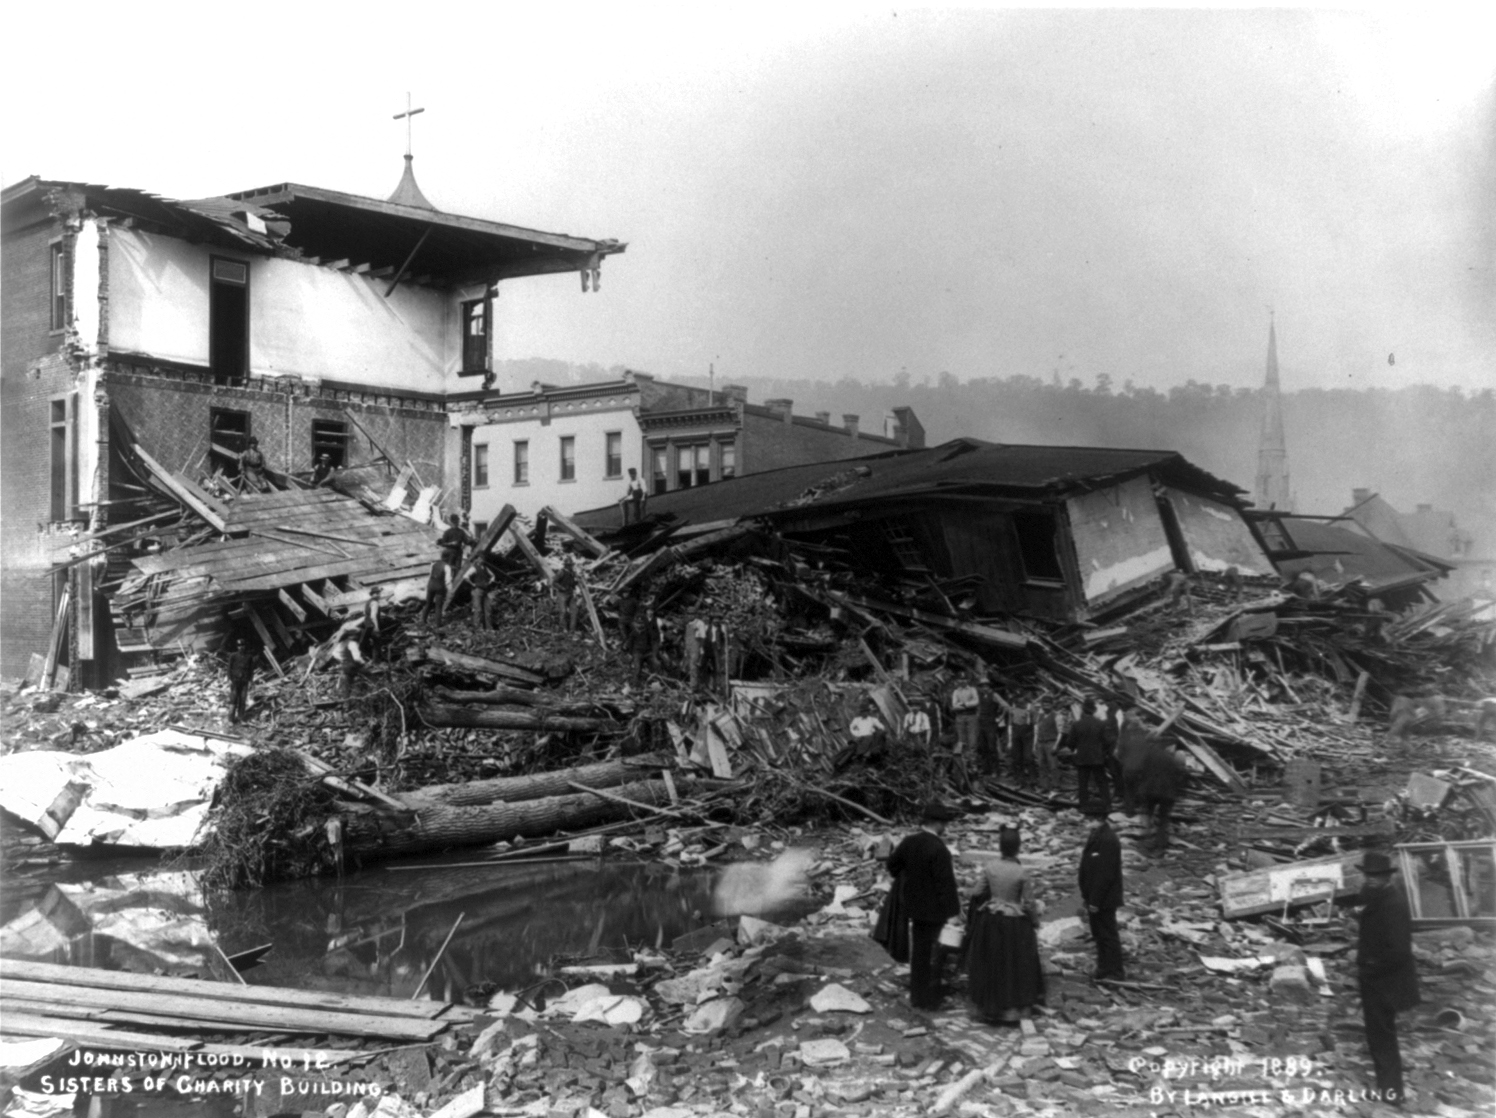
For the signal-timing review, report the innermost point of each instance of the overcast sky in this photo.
(825, 192)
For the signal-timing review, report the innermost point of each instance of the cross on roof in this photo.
(406, 116)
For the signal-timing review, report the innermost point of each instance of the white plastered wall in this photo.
(305, 320)
(1119, 537)
(592, 488)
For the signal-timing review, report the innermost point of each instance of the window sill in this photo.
(477, 486)
(472, 372)
(520, 485)
(567, 481)
(612, 477)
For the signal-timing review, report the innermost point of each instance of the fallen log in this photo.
(484, 667)
(514, 696)
(443, 714)
(444, 827)
(516, 789)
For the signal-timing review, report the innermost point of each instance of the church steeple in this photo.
(1272, 451)
(408, 193)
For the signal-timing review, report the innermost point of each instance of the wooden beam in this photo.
(266, 641)
(324, 536)
(184, 491)
(575, 531)
(485, 543)
(527, 549)
(394, 283)
(291, 604)
(597, 625)
(316, 600)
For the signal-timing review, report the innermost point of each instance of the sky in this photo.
(831, 191)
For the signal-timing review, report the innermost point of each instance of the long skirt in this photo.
(1003, 967)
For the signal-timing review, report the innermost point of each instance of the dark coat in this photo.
(1092, 739)
(1101, 869)
(922, 869)
(241, 666)
(1384, 951)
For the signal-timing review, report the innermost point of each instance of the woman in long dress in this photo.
(1006, 976)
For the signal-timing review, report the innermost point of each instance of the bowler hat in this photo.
(935, 812)
(1375, 862)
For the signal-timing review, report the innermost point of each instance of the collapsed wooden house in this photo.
(1058, 533)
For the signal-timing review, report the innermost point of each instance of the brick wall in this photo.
(171, 418)
(31, 373)
(770, 443)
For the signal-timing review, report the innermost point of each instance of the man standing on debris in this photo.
(1385, 970)
(632, 500)
(481, 582)
(566, 593)
(1046, 742)
(965, 702)
(643, 640)
(252, 464)
(454, 539)
(436, 592)
(869, 735)
(1178, 586)
(1101, 893)
(917, 728)
(241, 672)
(922, 869)
(1092, 741)
(1022, 751)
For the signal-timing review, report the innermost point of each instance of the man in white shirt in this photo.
(868, 732)
(917, 728)
(965, 700)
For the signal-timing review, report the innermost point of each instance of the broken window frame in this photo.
(1459, 864)
(904, 546)
(476, 319)
(330, 436)
(1025, 541)
(222, 435)
(63, 458)
(727, 456)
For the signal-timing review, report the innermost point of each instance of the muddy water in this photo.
(372, 932)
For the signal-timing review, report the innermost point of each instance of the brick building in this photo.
(316, 321)
(571, 446)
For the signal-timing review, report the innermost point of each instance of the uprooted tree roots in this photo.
(268, 822)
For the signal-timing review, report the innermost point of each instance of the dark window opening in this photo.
(1274, 536)
(330, 437)
(729, 461)
(905, 547)
(480, 527)
(1036, 546)
(659, 471)
(228, 433)
(522, 463)
(228, 321)
(614, 453)
(568, 458)
(475, 317)
(61, 475)
(59, 287)
(480, 465)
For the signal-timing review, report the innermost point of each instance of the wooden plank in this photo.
(324, 535)
(396, 497)
(316, 600)
(483, 667)
(575, 531)
(54, 645)
(221, 991)
(278, 537)
(371, 564)
(187, 493)
(217, 1013)
(92, 1035)
(291, 604)
(527, 549)
(485, 544)
(1213, 763)
(597, 625)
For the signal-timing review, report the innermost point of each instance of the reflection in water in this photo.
(371, 932)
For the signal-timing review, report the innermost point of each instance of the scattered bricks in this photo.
(1291, 983)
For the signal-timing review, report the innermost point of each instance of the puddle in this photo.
(372, 932)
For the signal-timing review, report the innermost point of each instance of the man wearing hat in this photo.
(1101, 892)
(922, 869)
(1385, 970)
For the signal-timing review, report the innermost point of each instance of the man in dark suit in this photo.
(922, 869)
(1385, 970)
(1093, 741)
(1101, 893)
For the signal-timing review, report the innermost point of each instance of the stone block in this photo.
(1291, 983)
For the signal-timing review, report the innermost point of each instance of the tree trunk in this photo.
(484, 667)
(515, 696)
(514, 789)
(441, 714)
(443, 827)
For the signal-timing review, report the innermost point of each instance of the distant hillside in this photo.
(1415, 445)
